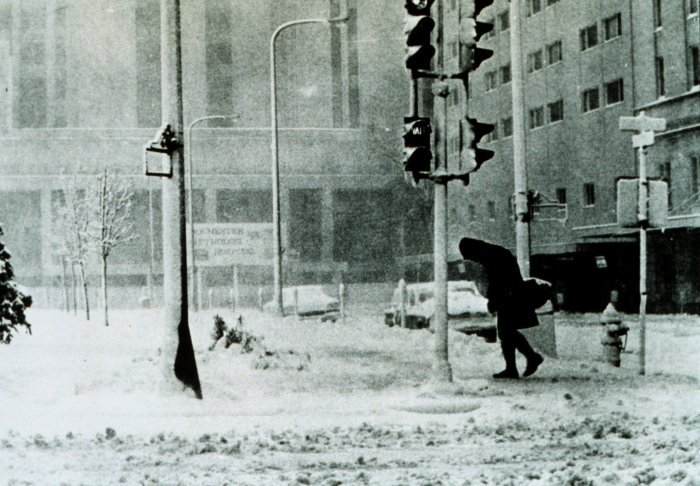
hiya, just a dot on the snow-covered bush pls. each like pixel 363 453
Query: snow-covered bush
pixel 13 299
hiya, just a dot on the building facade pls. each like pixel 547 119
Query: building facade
pixel 585 65
pixel 81 89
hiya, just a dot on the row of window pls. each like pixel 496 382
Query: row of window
pixel 611 28
pixel 590 100
pixel 589 190
pixel 692 9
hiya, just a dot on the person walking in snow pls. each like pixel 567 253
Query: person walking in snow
pixel 508 298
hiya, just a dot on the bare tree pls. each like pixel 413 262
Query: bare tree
pixel 111 204
pixel 73 230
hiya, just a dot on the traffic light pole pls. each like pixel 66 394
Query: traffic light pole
pixel 442 371
pixel 522 224
pixel 178 360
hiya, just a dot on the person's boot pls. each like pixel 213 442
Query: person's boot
pixel 511 371
pixel 533 363
pixel 508 373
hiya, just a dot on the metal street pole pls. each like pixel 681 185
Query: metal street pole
pixel 276 223
pixel 179 364
pixel 193 276
pixel 643 218
pixel 442 371
pixel 522 225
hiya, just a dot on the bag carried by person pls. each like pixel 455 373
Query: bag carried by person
pixel 536 292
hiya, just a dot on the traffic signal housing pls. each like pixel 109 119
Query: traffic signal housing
pixel 416 141
pixel 418 26
pixel 470 31
pixel 471 156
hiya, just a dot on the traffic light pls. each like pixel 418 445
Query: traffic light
pixel 417 27
pixel 416 141
pixel 471 156
pixel 470 31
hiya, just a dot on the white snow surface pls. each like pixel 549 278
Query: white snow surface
pixel 83 404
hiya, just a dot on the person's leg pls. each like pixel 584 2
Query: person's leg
pixel 534 359
pixel 508 347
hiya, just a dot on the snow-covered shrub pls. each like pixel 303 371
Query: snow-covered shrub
pixel 13 299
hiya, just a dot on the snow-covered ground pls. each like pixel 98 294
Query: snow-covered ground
pixel 352 404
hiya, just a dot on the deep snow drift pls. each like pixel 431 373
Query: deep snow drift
pixel 81 405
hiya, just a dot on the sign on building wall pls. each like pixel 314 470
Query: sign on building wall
pixel 225 244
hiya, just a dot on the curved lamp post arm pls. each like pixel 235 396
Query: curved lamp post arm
pixel 276 229
pixel 188 146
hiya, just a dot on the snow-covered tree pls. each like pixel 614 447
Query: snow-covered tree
pixel 110 201
pixel 13 299
pixel 73 235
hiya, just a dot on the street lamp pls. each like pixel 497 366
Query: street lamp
pixel 276 229
pixel 195 286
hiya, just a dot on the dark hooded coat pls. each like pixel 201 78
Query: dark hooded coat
pixel 506 290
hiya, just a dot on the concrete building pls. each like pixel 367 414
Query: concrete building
pixel 80 86
pixel 586 64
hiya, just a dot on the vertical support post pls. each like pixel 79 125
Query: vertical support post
pixel 236 288
pixel 152 244
pixel 522 224
pixel 402 303
pixel 200 289
pixel 643 218
pixel 442 371
pixel 178 353
pixel 341 294
pixel 276 224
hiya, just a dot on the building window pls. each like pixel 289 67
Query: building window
pixel 454 98
pixel 561 195
pixel 556 111
pixel 491 210
pixel 536 117
pixel 614 92
pixel 472 212
pixel 534 61
pixel 613 27
pixel 454 48
pixel 218 61
pixel 660 78
pixel 507 127
pixel 504 20
pixel 453 145
pixel 657 13
pixel 692 7
pixel 243 206
pixel 490 80
pixel 589 37
pixel 590 100
pixel 695 170
pixel 493 136
pixel 533 6
pixel 490 33
pixel 589 194
pixel 506 74
pixel 695 65
pixel 554 53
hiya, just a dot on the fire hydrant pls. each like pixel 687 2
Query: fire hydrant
pixel 612 335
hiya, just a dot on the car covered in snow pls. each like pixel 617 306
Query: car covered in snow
pixel 467 309
pixel 307 301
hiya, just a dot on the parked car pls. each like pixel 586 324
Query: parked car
pixel 311 301
pixel 467 311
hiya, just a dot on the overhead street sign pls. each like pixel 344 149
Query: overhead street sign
pixel 642 123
